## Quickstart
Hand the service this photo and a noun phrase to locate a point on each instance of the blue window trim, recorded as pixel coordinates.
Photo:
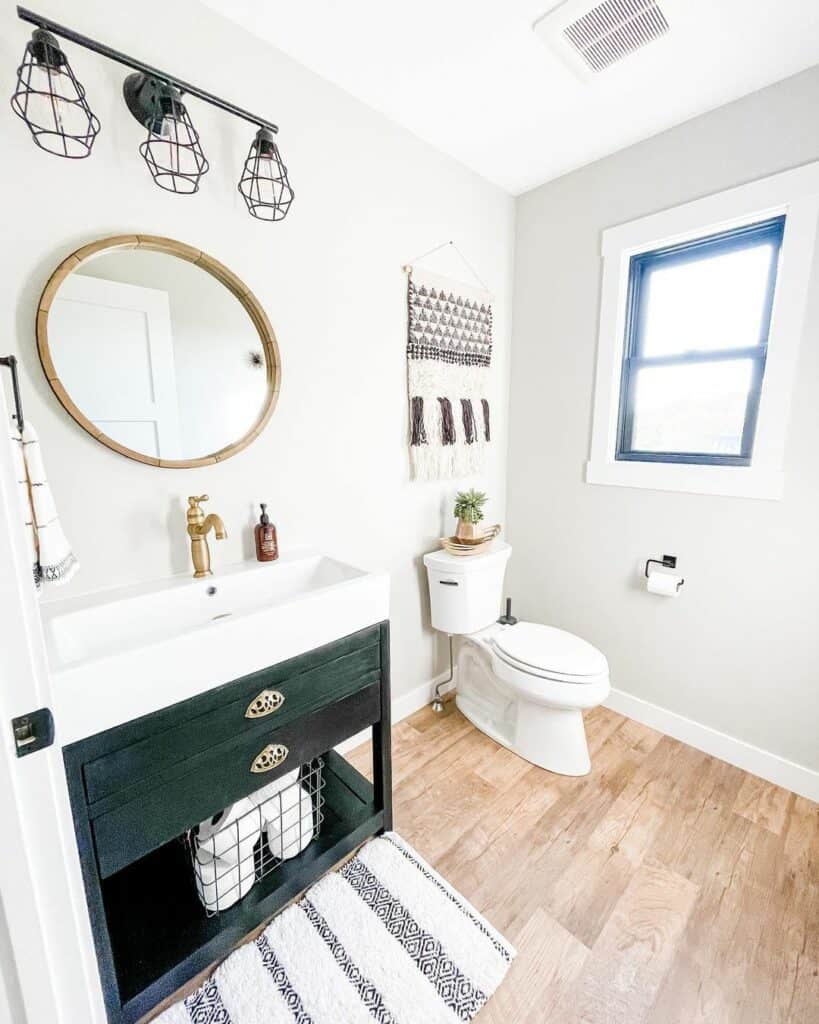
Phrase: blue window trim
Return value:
(641, 266)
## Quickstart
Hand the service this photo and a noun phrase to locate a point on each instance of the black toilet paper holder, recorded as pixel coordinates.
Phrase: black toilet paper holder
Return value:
(667, 562)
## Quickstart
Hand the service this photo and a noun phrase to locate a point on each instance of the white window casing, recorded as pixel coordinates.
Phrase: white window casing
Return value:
(794, 193)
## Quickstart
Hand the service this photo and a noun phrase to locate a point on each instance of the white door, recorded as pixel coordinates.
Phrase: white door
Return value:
(112, 346)
(47, 958)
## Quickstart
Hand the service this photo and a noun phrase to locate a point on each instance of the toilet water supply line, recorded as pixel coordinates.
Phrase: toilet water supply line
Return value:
(438, 704)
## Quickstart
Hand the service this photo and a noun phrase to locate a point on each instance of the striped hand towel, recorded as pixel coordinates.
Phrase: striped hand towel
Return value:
(52, 559)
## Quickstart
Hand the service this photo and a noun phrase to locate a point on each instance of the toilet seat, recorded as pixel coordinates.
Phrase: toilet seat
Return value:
(549, 653)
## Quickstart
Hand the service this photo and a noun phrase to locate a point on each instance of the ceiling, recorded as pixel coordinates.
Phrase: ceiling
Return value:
(472, 78)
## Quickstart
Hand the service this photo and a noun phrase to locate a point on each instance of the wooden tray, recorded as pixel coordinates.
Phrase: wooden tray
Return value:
(456, 546)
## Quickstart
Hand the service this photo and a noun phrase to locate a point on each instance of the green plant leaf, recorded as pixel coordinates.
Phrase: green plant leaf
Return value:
(469, 506)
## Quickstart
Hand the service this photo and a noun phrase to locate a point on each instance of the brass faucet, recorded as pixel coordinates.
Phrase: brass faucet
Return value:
(199, 526)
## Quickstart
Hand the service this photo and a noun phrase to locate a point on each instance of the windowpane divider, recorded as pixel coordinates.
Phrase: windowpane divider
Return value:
(723, 355)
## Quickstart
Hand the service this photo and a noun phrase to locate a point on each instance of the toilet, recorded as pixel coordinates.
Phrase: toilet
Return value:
(525, 684)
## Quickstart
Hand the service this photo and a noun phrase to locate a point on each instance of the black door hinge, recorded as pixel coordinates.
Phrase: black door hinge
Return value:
(33, 731)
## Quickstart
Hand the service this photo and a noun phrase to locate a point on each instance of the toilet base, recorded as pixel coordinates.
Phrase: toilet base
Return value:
(550, 735)
(551, 738)
(554, 738)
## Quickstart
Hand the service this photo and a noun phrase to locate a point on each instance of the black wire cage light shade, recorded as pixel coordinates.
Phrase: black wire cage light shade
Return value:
(264, 184)
(172, 150)
(52, 103)
(51, 100)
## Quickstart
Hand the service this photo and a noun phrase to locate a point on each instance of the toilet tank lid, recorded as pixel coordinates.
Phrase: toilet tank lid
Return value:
(461, 565)
(551, 649)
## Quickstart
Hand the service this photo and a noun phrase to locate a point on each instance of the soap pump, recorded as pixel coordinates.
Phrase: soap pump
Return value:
(267, 547)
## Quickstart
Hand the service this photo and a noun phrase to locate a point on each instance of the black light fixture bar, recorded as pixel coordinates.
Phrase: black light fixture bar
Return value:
(146, 69)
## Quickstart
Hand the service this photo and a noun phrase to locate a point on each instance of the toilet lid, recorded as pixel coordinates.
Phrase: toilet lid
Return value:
(550, 650)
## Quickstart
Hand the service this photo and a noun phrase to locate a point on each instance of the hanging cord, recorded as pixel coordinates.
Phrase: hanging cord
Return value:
(408, 266)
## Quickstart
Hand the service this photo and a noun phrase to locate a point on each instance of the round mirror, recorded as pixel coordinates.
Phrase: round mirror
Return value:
(158, 351)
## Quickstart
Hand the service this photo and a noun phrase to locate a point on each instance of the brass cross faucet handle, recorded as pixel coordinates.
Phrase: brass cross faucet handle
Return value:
(199, 526)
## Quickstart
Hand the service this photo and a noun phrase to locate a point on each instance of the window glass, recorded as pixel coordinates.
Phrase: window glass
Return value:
(698, 407)
(696, 342)
(712, 303)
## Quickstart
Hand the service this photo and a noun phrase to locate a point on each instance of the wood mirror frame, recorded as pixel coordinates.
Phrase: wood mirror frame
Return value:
(226, 277)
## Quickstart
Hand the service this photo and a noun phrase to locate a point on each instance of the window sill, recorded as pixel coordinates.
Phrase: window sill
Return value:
(725, 481)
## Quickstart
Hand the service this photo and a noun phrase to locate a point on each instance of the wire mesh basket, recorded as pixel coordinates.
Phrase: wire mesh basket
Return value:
(245, 842)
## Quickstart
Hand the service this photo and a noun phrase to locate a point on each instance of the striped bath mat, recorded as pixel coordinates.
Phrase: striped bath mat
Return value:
(382, 939)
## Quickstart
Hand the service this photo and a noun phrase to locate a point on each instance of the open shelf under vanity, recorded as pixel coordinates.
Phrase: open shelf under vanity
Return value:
(151, 931)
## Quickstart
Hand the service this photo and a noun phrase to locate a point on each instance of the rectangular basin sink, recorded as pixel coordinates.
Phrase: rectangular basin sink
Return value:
(120, 653)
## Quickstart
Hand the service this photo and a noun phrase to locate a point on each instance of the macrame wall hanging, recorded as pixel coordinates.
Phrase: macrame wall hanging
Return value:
(449, 352)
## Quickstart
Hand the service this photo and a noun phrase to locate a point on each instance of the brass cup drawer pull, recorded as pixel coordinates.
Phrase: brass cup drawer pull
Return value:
(264, 704)
(271, 757)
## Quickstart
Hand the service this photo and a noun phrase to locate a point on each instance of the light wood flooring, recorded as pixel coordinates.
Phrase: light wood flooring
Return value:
(666, 887)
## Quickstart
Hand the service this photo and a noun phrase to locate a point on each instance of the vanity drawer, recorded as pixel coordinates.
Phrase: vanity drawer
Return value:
(152, 750)
(218, 777)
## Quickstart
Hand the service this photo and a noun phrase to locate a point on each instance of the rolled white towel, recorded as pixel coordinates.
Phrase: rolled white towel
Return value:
(267, 792)
(220, 883)
(231, 834)
(289, 823)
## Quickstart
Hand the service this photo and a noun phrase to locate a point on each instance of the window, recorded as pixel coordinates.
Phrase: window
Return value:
(702, 310)
(698, 318)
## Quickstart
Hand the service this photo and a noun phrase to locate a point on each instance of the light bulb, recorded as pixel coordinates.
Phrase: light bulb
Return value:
(47, 106)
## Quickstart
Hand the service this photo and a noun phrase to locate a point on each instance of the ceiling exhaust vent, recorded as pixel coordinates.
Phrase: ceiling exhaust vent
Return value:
(593, 39)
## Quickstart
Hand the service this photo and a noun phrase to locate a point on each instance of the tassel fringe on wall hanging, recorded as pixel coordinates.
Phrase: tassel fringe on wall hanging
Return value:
(449, 352)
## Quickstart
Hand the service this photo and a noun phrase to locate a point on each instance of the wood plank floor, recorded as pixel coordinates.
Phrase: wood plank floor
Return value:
(665, 887)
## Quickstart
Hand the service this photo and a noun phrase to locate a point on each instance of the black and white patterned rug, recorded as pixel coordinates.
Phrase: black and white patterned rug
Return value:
(382, 939)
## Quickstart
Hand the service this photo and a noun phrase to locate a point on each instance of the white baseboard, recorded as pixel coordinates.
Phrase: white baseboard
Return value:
(795, 777)
(402, 707)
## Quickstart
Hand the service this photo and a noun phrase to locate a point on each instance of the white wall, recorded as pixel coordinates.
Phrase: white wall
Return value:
(739, 651)
(332, 464)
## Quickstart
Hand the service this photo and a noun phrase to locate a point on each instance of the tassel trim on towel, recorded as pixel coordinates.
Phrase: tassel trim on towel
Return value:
(62, 571)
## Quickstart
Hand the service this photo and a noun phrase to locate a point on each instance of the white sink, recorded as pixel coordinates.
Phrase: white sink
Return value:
(121, 653)
(114, 621)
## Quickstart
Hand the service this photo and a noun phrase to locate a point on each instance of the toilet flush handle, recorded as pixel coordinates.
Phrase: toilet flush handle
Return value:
(508, 619)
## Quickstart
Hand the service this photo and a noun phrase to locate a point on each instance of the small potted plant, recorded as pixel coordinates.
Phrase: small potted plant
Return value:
(469, 513)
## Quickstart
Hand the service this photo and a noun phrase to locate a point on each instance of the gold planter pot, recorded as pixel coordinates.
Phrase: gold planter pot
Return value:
(469, 531)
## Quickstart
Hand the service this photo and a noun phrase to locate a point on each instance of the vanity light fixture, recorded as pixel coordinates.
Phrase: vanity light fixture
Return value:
(264, 184)
(52, 103)
(50, 99)
(172, 150)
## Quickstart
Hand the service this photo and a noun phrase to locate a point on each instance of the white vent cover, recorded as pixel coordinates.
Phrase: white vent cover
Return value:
(592, 39)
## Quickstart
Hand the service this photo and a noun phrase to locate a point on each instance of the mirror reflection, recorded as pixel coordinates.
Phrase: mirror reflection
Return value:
(158, 354)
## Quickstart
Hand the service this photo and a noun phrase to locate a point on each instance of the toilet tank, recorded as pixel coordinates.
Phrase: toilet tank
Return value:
(465, 591)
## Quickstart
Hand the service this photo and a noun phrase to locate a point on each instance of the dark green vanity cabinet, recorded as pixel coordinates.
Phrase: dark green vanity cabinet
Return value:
(137, 788)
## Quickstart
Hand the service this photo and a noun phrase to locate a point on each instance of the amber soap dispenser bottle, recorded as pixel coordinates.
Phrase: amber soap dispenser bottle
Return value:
(267, 546)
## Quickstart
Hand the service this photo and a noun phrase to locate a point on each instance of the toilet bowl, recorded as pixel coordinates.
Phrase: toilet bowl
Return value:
(526, 685)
